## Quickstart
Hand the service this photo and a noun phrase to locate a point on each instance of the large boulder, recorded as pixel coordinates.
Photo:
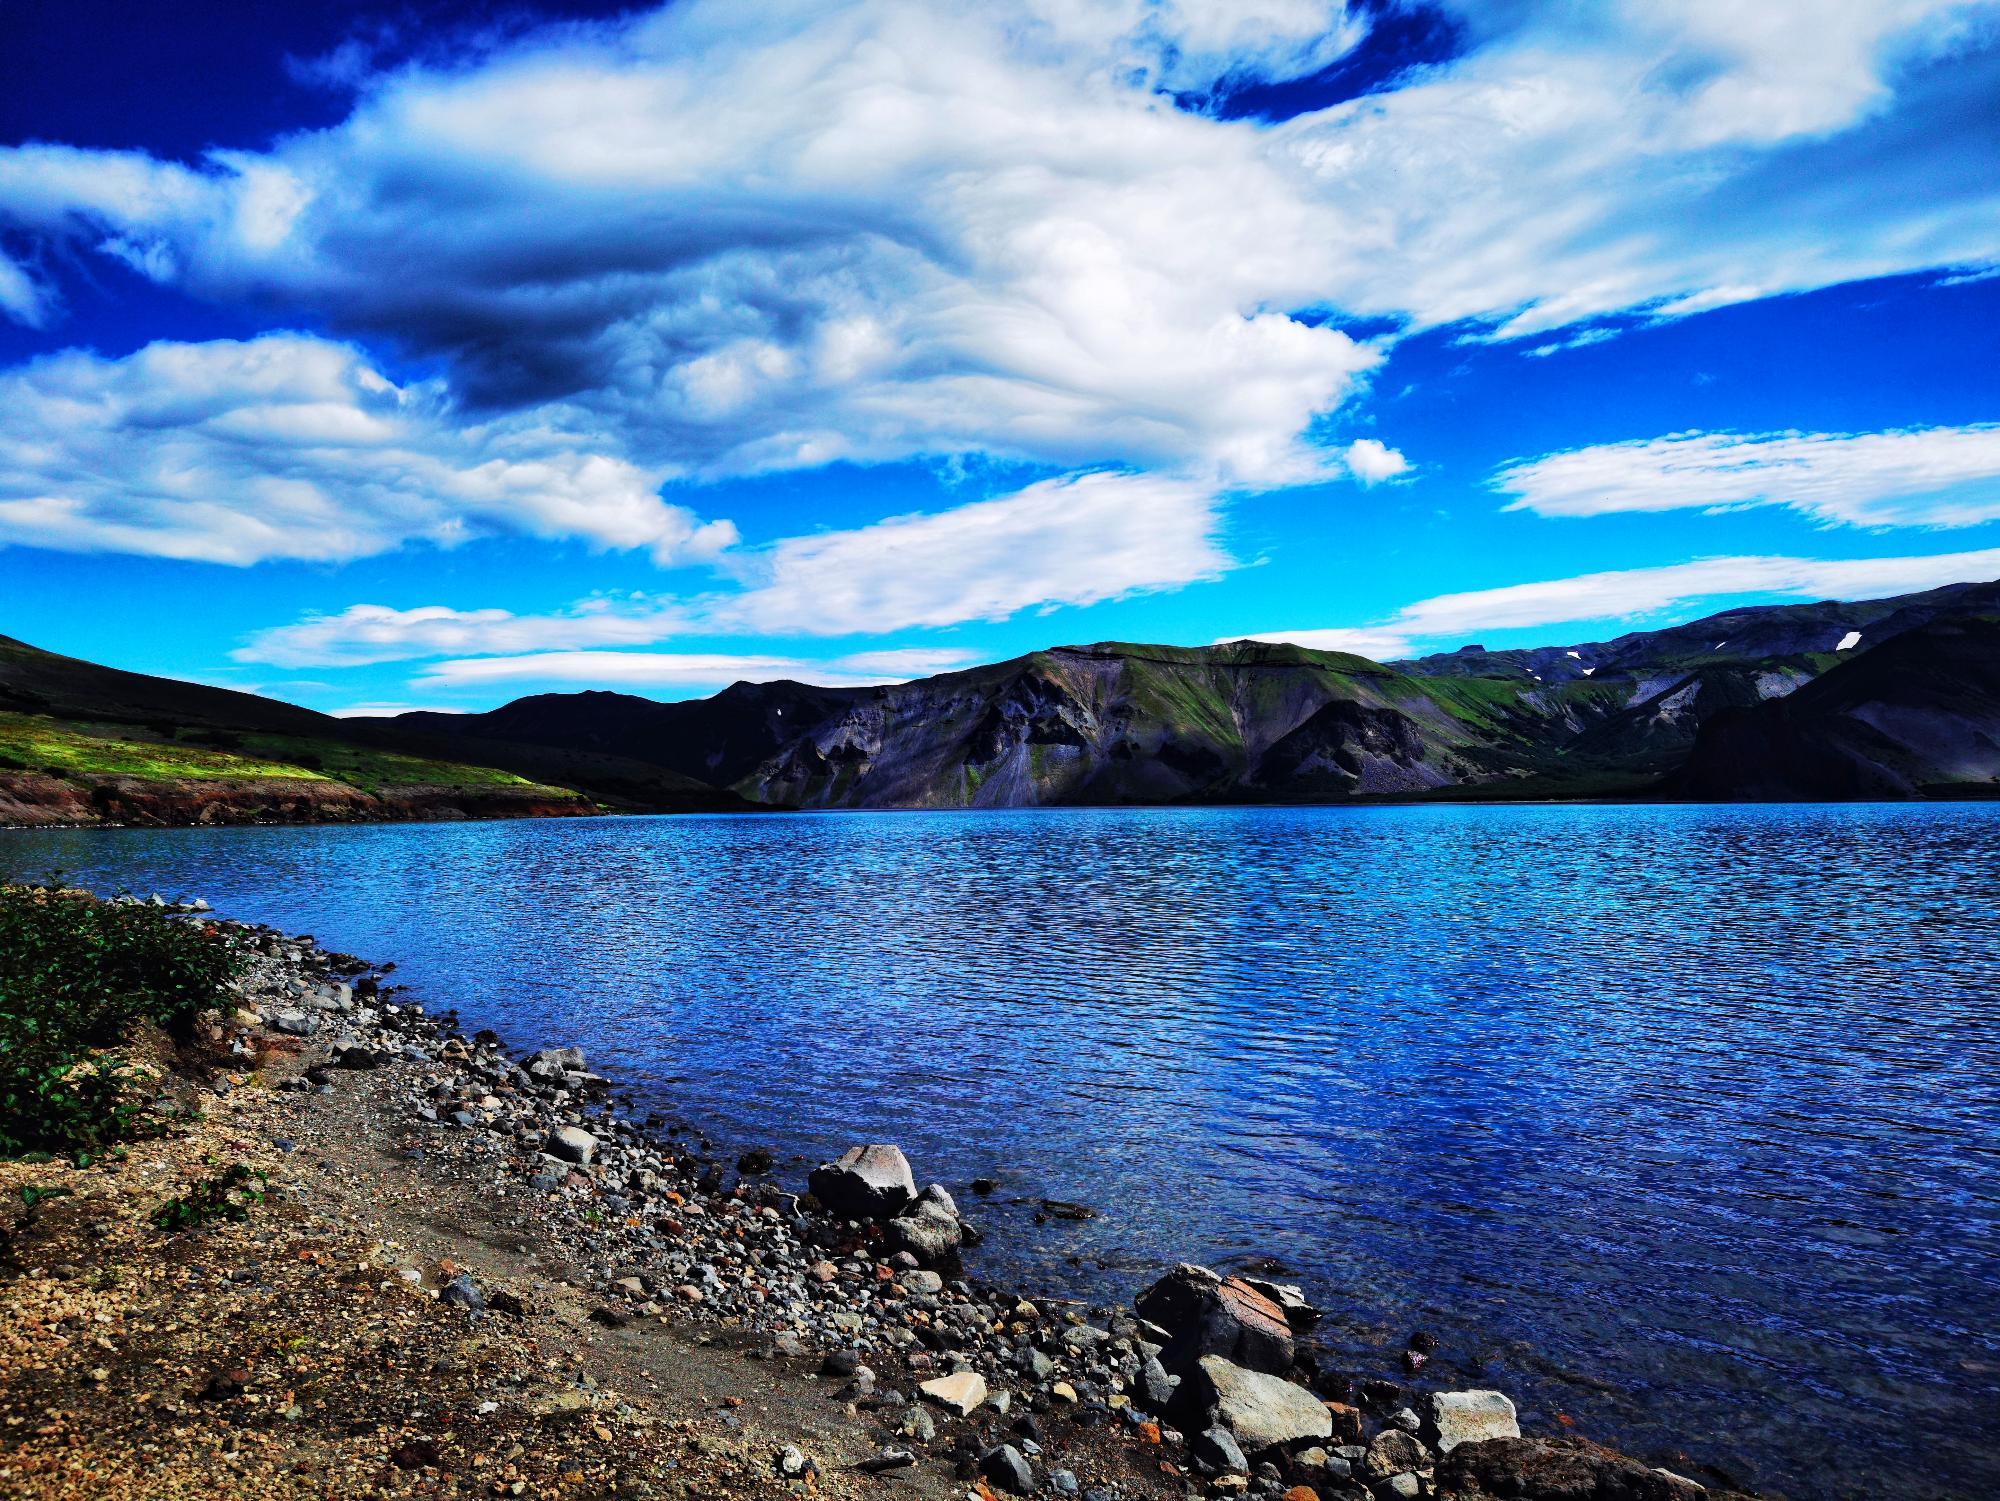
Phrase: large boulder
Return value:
(1203, 1313)
(572, 1144)
(1263, 1411)
(1543, 1469)
(1469, 1418)
(929, 1229)
(865, 1183)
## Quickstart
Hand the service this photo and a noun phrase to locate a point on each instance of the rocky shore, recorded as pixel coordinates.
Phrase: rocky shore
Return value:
(460, 1270)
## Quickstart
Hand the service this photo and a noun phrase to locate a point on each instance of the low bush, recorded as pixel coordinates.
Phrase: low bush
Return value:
(75, 975)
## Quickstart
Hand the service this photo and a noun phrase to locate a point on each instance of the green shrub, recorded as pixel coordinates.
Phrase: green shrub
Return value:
(75, 975)
(226, 1196)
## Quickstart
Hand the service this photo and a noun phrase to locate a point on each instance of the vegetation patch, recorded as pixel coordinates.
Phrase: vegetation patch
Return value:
(34, 742)
(226, 1196)
(76, 975)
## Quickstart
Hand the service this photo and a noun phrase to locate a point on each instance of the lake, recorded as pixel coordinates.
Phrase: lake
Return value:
(1683, 1122)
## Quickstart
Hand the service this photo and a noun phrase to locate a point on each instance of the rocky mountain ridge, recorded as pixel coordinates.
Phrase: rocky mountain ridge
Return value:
(1125, 723)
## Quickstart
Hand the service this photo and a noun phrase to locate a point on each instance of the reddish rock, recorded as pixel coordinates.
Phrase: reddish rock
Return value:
(1206, 1314)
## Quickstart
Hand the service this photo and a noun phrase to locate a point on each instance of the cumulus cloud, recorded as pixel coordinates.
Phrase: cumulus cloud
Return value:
(689, 669)
(1935, 476)
(288, 446)
(1629, 593)
(869, 229)
(1372, 461)
(1079, 540)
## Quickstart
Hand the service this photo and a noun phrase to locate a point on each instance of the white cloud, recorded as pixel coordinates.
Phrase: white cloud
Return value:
(386, 710)
(867, 229)
(1937, 476)
(1629, 593)
(1080, 540)
(288, 446)
(688, 669)
(1375, 642)
(1372, 461)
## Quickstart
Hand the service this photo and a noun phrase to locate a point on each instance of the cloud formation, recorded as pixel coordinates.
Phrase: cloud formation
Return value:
(288, 446)
(869, 229)
(642, 669)
(1936, 476)
(1080, 540)
(1631, 593)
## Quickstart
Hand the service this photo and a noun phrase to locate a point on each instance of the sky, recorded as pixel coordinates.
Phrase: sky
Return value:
(423, 356)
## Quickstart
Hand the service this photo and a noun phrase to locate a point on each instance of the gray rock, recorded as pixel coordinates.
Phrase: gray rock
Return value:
(1262, 1410)
(463, 1292)
(962, 1391)
(928, 1229)
(871, 1182)
(1008, 1470)
(295, 1023)
(1155, 1386)
(573, 1144)
(1393, 1453)
(1218, 1450)
(1469, 1418)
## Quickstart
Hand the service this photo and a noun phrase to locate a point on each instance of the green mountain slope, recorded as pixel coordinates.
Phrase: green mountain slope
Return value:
(81, 742)
(1119, 722)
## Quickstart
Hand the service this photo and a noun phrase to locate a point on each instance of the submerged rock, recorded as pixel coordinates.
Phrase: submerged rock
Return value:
(1541, 1469)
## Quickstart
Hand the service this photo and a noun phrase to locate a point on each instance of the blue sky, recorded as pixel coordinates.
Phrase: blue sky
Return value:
(429, 356)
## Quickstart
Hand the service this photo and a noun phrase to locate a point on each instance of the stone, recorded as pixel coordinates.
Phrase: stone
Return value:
(929, 1229)
(295, 1023)
(463, 1292)
(962, 1391)
(869, 1183)
(1393, 1453)
(556, 1063)
(1205, 1314)
(1262, 1410)
(573, 1144)
(1469, 1418)
(1006, 1468)
(1403, 1486)
(1155, 1386)
(1216, 1449)
(1556, 1467)
(1346, 1422)
(1299, 1314)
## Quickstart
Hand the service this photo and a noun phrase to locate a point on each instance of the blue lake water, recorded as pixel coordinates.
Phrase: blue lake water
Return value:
(1682, 1122)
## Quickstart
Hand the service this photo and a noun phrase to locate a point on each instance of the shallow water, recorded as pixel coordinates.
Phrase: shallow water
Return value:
(1683, 1122)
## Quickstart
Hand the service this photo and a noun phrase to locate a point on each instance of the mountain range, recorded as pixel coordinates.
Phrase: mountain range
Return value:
(1702, 709)
(1886, 698)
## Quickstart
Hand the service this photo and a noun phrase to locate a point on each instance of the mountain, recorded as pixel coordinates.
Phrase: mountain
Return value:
(1917, 716)
(83, 743)
(1118, 722)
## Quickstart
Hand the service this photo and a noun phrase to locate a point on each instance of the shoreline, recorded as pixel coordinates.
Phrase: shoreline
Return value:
(939, 1384)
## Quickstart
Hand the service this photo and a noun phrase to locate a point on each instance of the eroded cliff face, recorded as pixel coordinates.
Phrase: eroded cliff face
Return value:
(32, 799)
(1090, 725)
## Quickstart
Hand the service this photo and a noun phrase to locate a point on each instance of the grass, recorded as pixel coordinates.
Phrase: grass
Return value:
(76, 975)
(34, 742)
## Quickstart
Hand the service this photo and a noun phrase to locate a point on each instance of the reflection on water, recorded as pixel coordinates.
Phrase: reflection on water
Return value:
(1683, 1121)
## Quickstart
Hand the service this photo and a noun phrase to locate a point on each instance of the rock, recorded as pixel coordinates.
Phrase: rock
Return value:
(1403, 1486)
(1155, 1386)
(1205, 1314)
(358, 1057)
(929, 1229)
(1469, 1418)
(1299, 1314)
(463, 1292)
(573, 1144)
(295, 1023)
(792, 1463)
(556, 1063)
(1534, 1468)
(1262, 1410)
(1218, 1450)
(869, 1183)
(1346, 1422)
(1006, 1468)
(962, 1391)
(1393, 1453)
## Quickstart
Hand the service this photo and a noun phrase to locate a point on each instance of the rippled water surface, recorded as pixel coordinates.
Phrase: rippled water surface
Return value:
(1683, 1122)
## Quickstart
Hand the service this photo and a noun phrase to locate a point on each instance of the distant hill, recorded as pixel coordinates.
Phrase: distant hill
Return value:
(82, 743)
(1918, 716)
(1118, 722)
